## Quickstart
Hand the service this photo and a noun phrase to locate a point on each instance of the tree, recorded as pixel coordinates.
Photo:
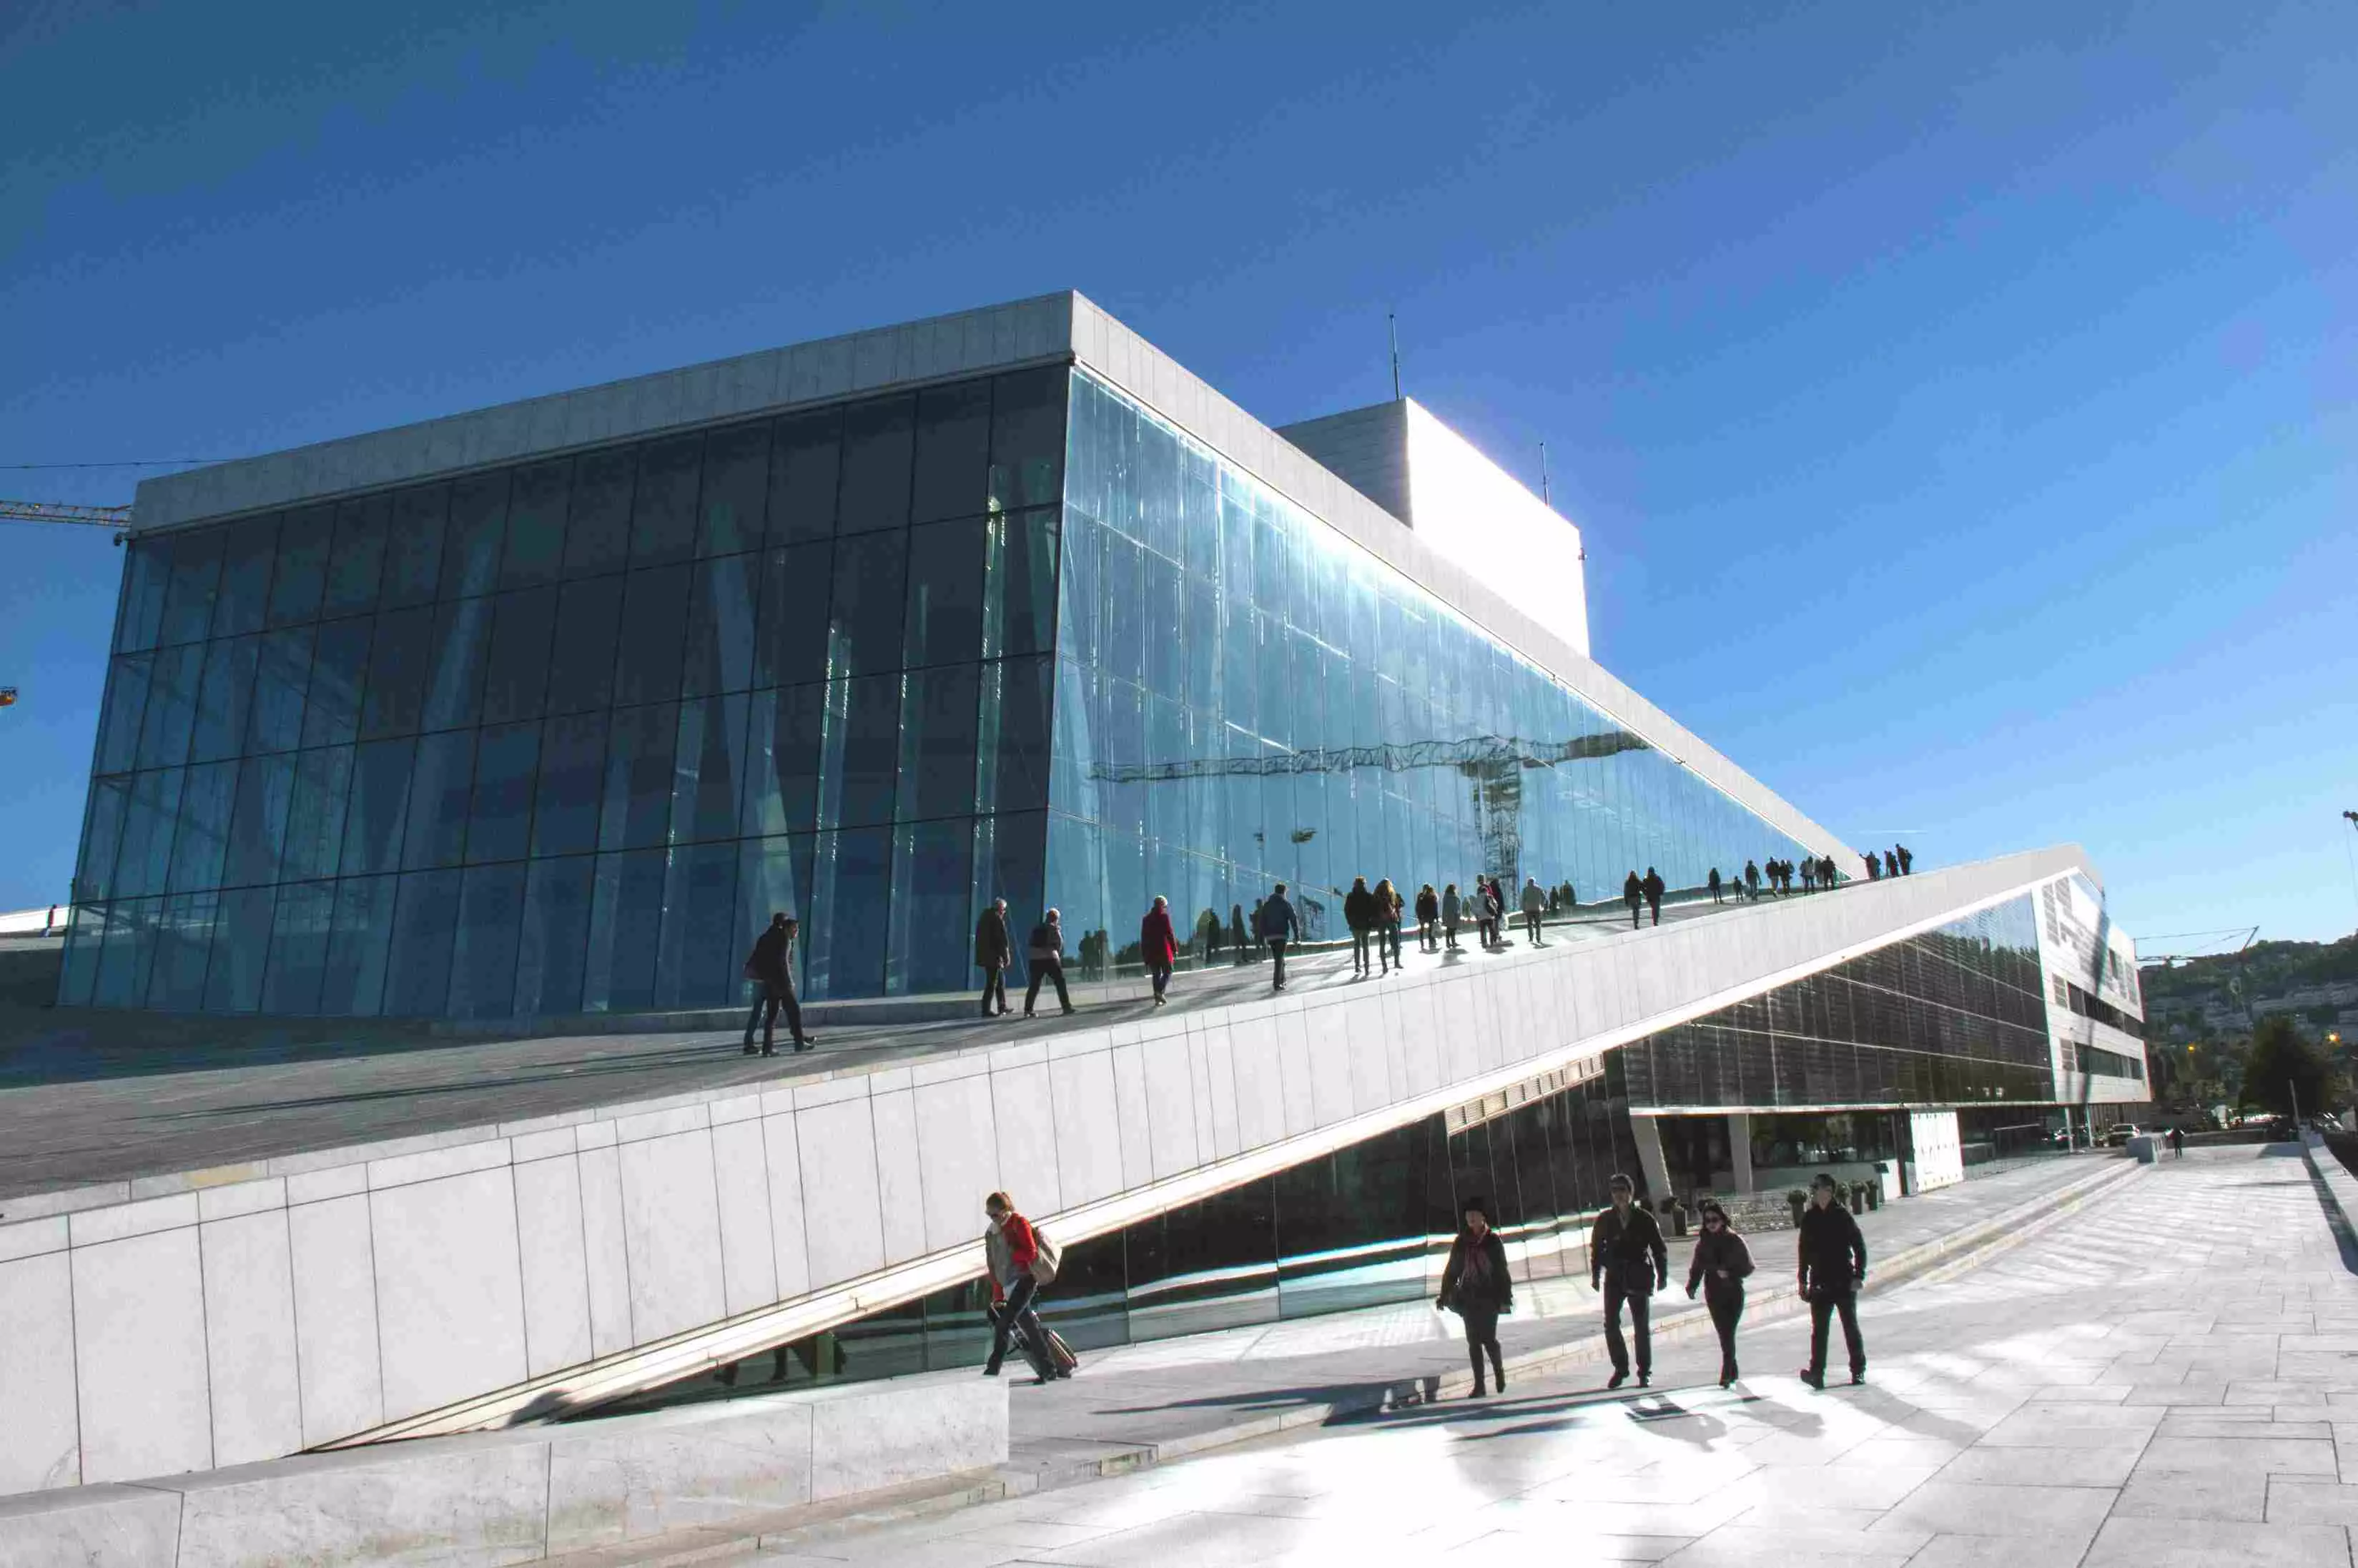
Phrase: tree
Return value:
(2282, 1062)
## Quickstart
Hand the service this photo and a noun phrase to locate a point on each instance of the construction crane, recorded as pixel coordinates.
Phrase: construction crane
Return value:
(115, 517)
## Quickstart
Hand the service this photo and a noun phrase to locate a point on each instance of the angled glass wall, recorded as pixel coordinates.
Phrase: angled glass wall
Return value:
(1243, 695)
(556, 737)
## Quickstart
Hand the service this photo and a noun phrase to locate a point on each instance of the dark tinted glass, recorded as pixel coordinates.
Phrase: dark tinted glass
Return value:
(265, 789)
(708, 774)
(298, 947)
(352, 979)
(315, 816)
(625, 931)
(782, 748)
(736, 485)
(598, 529)
(524, 624)
(126, 706)
(850, 884)
(183, 946)
(413, 552)
(1027, 438)
(454, 683)
(791, 638)
(773, 878)
(1019, 611)
(142, 862)
(655, 630)
(866, 611)
(537, 509)
(241, 942)
(424, 923)
(876, 446)
(147, 580)
(110, 798)
(441, 791)
(206, 801)
(572, 774)
(556, 930)
(250, 550)
(280, 678)
(581, 663)
(724, 601)
(944, 623)
(356, 565)
(638, 751)
(862, 751)
(301, 573)
(936, 764)
(698, 965)
(195, 583)
(340, 665)
(499, 825)
(378, 806)
(803, 472)
(931, 886)
(401, 661)
(483, 957)
(1012, 736)
(222, 692)
(478, 532)
(173, 682)
(662, 515)
(952, 451)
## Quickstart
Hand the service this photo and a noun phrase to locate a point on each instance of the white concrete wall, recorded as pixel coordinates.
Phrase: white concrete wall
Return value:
(211, 1318)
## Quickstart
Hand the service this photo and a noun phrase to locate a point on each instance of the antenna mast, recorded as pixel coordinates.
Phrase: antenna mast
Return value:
(1391, 329)
(1543, 476)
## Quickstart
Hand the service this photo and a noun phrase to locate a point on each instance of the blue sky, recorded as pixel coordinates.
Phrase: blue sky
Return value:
(1960, 409)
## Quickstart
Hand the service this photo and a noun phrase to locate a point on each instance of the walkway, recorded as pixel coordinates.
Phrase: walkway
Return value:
(2156, 1378)
(277, 1087)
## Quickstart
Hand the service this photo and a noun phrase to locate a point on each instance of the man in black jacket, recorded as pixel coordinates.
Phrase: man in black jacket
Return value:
(1833, 1268)
(1627, 1261)
(771, 965)
(993, 947)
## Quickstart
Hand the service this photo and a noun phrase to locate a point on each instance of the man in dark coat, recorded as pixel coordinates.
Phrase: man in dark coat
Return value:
(994, 950)
(1833, 1256)
(1278, 924)
(1653, 888)
(770, 967)
(1633, 893)
(1047, 957)
(1627, 1261)
(1890, 862)
(1359, 917)
(1873, 867)
(1752, 879)
(1714, 884)
(1477, 1287)
(1907, 861)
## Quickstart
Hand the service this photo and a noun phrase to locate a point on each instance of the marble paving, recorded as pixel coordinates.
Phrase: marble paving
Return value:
(2167, 1375)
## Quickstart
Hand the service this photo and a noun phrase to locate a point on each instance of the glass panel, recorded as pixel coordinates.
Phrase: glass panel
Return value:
(639, 752)
(499, 824)
(946, 592)
(736, 480)
(535, 553)
(247, 557)
(299, 948)
(331, 709)
(281, 674)
(184, 937)
(655, 618)
(424, 922)
(1010, 852)
(931, 890)
(483, 963)
(938, 742)
(440, 796)
(1019, 609)
(589, 625)
(478, 529)
(802, 471)
(353, 979)
(1027, 438)
(699, 965)
(356, 563)
(454, 688)
(876, 441)
(126, 705)
(865, 610)
(146, 579)
(402, 658)
(773, 878)
(860, 755)
(850, 882)
(953, 450)
(572, 776)
(301, 574)
(782, 760)
(709, 775)
(413, 552)
(315, 817)
(379, 807)
(240, 943)
(555, 931)
(171, 706)
(722, 603)
(523, 626)
(129, 955)
(663, 516)
(223, 693)
(196, 579)
(625, 927)
(78, 970)
(110, 800)
(598, 527)
(144, 862)
(265, 789)
(793, 640)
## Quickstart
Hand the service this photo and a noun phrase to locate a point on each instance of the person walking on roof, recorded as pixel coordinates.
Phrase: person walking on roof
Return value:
(1359, 917)
(1713, 884)
(1752, 880)
(1428, 920)
(1388, 924)
(1627, 1261)
(1633, 893)
(1721, 1265)
(1891, 862)
(994, 948)
(1477, 1286)
(1832, 1259)
(1048, 956)
(1907, 861)
(1653, 889)
(1278, 927)
(1452, 909)
(1159, 947)
(1534, 909)
(770, 967)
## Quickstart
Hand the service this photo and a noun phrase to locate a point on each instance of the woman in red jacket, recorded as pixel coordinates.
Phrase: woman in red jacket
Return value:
(1159, 946)
(1009, 1247)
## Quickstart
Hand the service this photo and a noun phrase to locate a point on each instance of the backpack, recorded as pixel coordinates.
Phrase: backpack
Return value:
(1045, 1257)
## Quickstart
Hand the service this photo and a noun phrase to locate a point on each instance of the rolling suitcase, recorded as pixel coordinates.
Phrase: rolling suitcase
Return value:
(1059, 1352)
(1033, 1355)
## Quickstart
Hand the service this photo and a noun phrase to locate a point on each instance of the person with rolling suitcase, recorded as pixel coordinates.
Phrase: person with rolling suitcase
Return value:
(1020, 1260)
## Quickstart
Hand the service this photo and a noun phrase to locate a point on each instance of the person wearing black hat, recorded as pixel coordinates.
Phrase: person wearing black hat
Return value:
(1833, 1268)
(1722, 1263)
(1478, 1288)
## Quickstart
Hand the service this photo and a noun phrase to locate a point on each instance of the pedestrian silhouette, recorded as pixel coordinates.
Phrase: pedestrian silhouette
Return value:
(1890, 863)
(1653, 889)
(1633, 893)
(1907, 861)
(1714, 884)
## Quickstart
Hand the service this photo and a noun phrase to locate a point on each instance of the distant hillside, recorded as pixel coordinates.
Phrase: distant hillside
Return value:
(2265, 969)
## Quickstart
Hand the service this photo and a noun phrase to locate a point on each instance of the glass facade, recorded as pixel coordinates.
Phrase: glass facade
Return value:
(1243, 695)
(1364, 1226)
(1955, 1016)
(558, 737)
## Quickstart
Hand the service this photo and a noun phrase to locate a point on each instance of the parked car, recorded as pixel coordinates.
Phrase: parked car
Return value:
(2117, 1135)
